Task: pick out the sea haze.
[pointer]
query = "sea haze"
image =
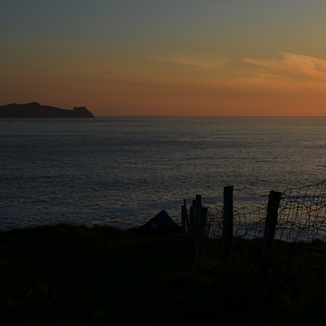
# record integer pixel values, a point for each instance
(122, 171)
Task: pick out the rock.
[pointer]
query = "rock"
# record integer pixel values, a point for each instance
(160, 223)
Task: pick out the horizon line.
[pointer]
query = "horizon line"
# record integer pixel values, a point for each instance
(208, 116)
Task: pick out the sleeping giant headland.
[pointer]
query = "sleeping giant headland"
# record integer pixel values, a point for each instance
(36, 110)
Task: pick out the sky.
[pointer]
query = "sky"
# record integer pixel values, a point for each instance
(169, 57)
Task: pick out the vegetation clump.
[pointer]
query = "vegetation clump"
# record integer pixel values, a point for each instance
(74, 275)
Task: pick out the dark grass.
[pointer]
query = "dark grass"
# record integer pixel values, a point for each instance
(73, 275)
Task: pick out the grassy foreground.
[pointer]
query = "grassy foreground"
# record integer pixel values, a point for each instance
(73, 275)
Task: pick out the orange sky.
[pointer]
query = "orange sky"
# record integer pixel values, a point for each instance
(171, 58)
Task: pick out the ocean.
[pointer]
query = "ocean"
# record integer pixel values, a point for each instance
(121, 171)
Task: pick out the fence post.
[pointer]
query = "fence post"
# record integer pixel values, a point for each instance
(198, 200)
(193, 220)
(227, 223)
(183, 218)
(274, 199)
(185, 227)
(201, 221)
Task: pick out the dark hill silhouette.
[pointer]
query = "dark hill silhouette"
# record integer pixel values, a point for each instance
(36, 110)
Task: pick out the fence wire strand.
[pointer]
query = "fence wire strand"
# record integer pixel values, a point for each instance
(301, 216)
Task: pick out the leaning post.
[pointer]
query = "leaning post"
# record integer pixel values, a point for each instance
(274, 199)
(227, 223)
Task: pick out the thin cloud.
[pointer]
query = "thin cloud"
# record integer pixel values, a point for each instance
(294, 64)
(195, 62)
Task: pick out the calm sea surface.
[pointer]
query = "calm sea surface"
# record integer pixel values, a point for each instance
(122, 171)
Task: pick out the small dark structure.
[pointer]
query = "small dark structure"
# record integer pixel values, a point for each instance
(160, 223)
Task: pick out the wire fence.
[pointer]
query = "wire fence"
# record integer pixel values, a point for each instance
(284, 229)
(301, 215)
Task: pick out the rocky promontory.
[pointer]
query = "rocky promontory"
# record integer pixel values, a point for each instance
(36, 110)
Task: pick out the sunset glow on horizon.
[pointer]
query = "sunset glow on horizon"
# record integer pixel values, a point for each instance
(174, 58)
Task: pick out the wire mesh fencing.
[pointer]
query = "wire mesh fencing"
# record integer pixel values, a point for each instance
(298, 235)
(248, 222)
(301, 215)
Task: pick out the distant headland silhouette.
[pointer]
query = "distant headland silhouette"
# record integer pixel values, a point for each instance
(36, 110)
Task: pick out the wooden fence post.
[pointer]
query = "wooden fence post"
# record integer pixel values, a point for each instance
(198, 200)
(201, 222)
(227, 223)
(184, 218)
(274, 199)
(193, 220)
